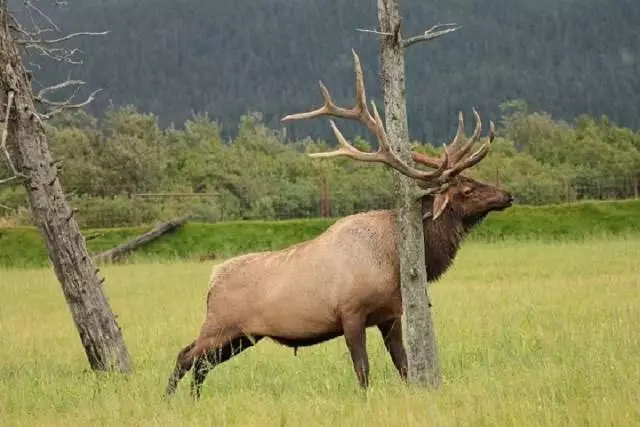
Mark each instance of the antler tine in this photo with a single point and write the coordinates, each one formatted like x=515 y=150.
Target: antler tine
x=459 y=132
x=345 y=149
x=329 y=108
x=364 y=115
x=381 y=134
x=475 y=158
x=426 y=160
x=446 y=152
x=464 y=150
x=385 y=148
x=374 y=123
x=383 y=155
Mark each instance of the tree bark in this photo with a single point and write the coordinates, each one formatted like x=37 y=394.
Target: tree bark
x=418 y=330
x=78 y=275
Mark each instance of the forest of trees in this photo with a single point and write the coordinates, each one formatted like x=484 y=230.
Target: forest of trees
x=179 y=57
x=106 y=164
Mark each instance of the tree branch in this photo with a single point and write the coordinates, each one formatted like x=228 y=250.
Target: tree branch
x=60 y=39
x=3 y=142
x=60 y=54
x=41 y=23
x=15 y=178
x=434 y=32
x=362 y=30
x=30 y=38
x=66 y=105
x=30 y=6
x=58 y=86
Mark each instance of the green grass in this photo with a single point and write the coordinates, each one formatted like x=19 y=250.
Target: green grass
x=530 y=333
x=23 y=247
x=573 y=221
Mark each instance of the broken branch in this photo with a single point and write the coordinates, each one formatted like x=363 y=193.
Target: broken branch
x=32 y=38
x=66 y=105
x=30 y=7
x=3 y=142
x=59 y=54
x=379 y=33
x=434 y=32
x=117 y=253
x=58 y=86
x=60 y=39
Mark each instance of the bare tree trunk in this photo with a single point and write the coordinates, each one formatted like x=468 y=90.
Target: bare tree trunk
x=27 y=142
x=418 y=329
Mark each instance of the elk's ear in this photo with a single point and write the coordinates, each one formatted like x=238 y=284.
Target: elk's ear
x=440 y=202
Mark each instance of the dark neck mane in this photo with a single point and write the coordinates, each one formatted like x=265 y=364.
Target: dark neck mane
x=442 y=238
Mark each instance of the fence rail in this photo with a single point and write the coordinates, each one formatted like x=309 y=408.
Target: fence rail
x=323 y=201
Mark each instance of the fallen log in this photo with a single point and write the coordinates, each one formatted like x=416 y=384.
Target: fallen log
x=117 y=253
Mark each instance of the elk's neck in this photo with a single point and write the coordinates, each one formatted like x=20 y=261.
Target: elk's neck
x=442 y=238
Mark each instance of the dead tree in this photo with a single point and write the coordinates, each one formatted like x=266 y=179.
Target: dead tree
x=119 y=252
x=25 y=148
x=418 y=329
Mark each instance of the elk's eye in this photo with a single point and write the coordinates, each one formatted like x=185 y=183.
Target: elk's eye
x=467 y=191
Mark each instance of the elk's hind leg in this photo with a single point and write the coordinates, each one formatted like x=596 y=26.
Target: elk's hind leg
x=391 y=331
x=216 y=356
x=186 y=357
x=184 y=361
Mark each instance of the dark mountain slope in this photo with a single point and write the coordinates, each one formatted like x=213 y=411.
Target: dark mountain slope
x=173 y=57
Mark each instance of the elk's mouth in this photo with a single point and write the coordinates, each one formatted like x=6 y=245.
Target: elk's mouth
x=504 y=204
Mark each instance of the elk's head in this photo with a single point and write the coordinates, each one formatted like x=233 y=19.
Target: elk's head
x=462 y=197
x=446 y=192
x=467 y=200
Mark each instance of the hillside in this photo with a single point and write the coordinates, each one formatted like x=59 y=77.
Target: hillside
x=175 y=57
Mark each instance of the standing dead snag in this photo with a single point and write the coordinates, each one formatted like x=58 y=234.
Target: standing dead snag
x=348 y=278
x=418 y=328
x=24 y=143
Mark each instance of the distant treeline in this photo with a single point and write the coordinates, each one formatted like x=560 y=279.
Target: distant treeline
x=107 y=164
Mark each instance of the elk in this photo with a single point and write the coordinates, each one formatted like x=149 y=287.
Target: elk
x=346 y=279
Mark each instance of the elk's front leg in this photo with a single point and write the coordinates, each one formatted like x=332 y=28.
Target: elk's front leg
x=355 y=337
x=391 y=331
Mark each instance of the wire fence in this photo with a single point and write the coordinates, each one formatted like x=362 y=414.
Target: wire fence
x=321 y=201
x=328 y=202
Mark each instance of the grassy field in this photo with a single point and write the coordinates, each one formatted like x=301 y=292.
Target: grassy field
x=23 y=246
x=540 y=334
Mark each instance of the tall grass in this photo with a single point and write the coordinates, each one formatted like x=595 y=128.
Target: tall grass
x=529 y=334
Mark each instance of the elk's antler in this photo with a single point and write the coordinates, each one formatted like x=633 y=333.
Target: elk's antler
x=457 y=150
x=450 y=164
x=373 y=122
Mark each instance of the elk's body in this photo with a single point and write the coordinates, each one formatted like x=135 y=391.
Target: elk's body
x=347 y=278
x=301 y=293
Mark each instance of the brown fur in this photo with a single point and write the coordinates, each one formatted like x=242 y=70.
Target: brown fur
x=339 y=283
